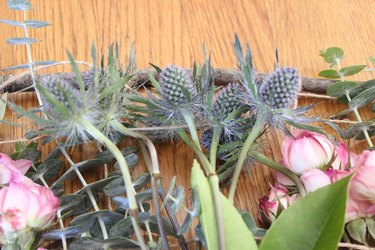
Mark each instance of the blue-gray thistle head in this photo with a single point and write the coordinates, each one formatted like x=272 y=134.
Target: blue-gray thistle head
x=280 y=89
x=176 y=86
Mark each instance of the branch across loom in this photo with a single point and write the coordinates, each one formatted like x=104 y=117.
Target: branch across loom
x=222 y=77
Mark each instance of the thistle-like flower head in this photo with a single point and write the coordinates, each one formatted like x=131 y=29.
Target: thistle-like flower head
x=280 y=89
x=176 y=86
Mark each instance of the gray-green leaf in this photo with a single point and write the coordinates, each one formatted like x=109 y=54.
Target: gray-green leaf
x=19 y=4
x=338 y=89
x=21 y=40
x=332 y=55
x=330 y=73
x=352 y=70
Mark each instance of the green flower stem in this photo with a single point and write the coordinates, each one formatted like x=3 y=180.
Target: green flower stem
x=130 y=192
x=213 y=149
x=30 y=59
x=259 y=157
x=357 y=115
x=255 y=131
x=88 y=191
x=212 y=177
x=152 y=163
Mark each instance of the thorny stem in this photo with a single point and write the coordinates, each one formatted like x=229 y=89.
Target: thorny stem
x=357 y=115
x=153 y=167
x=280 y=168
x=88 y=191
x=254 y=133
x=133 y=207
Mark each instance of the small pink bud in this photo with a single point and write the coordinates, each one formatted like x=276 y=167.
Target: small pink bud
x=313 y=179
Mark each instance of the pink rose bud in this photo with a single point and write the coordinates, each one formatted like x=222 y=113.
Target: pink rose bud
x=26 y=205
x=313 y=179
x=362 y=185
x=342 y=157
x=307 y=150
x=10 y=170
x=270 y=207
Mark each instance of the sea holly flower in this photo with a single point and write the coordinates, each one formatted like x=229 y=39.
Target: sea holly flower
x=307 y=150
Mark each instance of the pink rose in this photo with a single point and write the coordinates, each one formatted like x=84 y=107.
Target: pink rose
x=307 y=150
x=270 y=207
x=11 y=170
x=26 y=205
x=342 y=157
x=313 y=179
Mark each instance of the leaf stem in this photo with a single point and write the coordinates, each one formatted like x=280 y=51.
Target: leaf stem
x=88 y=191
x=259 y=157
x=133 y=207
x=359 y=119
x=254 y=133
x=213 y=148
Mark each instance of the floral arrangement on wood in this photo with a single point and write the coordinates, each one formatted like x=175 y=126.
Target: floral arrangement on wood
x=323 y=196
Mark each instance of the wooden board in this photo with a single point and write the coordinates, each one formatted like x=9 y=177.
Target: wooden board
x=173 y=31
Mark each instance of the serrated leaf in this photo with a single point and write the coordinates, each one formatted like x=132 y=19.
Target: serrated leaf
x=330 y=73
x=340 y=88
x=322 y=216
x=237 y=235
x=3 y=105
x=21 y=40
x=332 y=55
x=352 y=70
x=19 y=4
x=357 y=230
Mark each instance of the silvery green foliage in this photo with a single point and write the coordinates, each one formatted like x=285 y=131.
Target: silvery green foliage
x=280 y=89
x=176 y=86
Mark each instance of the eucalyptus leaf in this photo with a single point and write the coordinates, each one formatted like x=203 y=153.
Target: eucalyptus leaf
x=26 y=66
x=363 y=98
x=124 y=227
x=358 y=89
x=86 y=221
x=338 y=89
x=3 y=105
x=153 y=223
x=329 y=73
x=332 y=55
x=178 y=195
x=251 y=225
x=354 y=130
x=321 y=215
x=352 y=70
x=110 y=219
x=48 y=168
x=36 y=23
x=87 y=243
x=58 y=234
x=115 y=187
x=70 y=201
x=141 y=181
x=357 y=230
x=21 y=40
x=19 y=4
x=96 y=186
x=370 y=131
x=372 y=59
x=191 y=214
x=237 y=235
x=31 y=154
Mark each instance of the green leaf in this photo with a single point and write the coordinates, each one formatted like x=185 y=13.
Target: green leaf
x=354 y=130
x=338 y=89
x=332 y=55
x=352 y=70
x=357 y=230
x=372 y=59
x=250 y=223
x=3 y=105
x=237 y=235
x=19 y=4
x=113 y=243
x=153 y=223
x=316 y=221
x=21 y=41
x=370 y=222
x=330 y=73
x=363 y=98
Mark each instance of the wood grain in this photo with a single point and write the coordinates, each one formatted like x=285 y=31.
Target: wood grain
x=173 y=32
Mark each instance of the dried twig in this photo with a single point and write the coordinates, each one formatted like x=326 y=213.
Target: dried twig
x=222 y=76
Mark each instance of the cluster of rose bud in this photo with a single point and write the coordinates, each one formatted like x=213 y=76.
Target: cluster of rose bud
x=318 y=162
x=24 y=205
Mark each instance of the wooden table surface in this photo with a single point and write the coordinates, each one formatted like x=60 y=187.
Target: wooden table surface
x=173 y=31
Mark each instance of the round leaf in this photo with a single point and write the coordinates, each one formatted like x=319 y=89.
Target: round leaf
x=340 y=88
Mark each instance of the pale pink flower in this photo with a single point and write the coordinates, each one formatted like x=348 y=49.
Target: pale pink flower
x=313 y=179
x=307 y=150
x=342 y=157
x=11 y=170
x=26 y=205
